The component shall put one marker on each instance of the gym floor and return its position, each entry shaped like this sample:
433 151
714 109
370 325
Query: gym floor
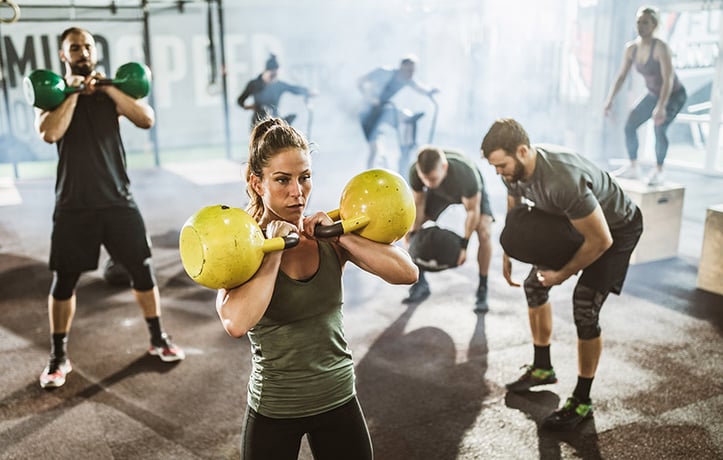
430 376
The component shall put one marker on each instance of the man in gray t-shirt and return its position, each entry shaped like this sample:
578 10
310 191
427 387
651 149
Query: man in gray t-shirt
607 225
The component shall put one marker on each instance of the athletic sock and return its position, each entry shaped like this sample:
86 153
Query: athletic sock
59 346
154 327
542 357
582 389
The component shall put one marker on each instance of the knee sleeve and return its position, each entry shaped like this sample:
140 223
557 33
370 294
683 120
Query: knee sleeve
142 277
63 285
537 294
586 305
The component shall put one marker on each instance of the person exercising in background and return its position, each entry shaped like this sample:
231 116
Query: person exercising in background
378 87
440 178
93 201
666 95
267 90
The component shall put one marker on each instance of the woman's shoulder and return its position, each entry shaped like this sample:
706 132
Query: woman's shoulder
629 50
661 47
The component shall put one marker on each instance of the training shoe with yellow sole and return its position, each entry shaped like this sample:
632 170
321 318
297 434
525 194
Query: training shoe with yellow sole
532 377
569 416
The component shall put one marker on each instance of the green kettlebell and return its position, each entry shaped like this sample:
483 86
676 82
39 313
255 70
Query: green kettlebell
132 78
45 89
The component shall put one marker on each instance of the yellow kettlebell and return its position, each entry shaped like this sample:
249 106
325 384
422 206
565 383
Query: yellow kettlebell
376 204
223 246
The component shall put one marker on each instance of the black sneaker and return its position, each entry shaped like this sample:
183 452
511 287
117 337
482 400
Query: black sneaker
418 292
480 305
531 378
569 416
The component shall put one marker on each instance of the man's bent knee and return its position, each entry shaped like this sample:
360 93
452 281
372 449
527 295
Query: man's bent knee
537 295
63 285
142 277
586 305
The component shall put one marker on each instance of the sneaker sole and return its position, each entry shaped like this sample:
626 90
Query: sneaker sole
565 427
481 307
52 384
511 386
409 301
57 383
166 359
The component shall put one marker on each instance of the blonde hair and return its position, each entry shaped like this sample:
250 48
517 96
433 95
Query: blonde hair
269 137
650 10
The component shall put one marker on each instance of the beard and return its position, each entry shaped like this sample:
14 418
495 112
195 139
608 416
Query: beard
518 173
83 68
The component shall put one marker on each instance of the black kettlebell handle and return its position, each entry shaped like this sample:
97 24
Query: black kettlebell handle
329 231
291 240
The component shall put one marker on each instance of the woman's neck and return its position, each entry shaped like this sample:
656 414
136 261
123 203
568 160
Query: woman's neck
647 40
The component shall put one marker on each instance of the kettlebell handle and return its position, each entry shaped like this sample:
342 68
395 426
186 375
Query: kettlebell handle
280 242
341 227
328 231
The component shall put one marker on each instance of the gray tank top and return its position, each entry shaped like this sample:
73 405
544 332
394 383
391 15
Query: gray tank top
301 364
650 70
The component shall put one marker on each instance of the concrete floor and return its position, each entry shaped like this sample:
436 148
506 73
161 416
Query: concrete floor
430 376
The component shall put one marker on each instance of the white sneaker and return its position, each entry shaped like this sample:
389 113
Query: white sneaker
54 374
628 172
167 351
656 178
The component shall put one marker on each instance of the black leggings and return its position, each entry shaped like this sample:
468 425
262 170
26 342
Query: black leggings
338 433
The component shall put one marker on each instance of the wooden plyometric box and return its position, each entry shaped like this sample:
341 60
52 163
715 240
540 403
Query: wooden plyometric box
710 269
662 208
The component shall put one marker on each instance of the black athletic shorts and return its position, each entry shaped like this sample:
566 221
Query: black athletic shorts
78 234
608 272
435 204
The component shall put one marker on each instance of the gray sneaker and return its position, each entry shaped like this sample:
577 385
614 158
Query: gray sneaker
418 292
480 305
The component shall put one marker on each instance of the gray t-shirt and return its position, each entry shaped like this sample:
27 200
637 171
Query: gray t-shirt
565 183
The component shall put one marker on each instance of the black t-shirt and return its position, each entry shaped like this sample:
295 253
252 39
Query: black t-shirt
463 179
91 158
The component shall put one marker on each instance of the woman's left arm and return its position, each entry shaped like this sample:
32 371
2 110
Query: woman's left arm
666 70
388 261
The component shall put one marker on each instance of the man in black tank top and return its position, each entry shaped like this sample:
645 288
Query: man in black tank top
93 201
